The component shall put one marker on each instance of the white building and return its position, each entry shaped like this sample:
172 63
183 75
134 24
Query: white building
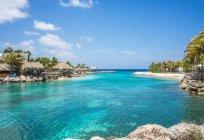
93 69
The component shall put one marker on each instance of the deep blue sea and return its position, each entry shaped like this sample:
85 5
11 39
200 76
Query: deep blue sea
106 104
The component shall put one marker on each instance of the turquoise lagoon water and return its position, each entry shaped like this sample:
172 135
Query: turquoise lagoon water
108 104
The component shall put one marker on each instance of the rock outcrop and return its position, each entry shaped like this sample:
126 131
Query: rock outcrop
181 131
191 84
21 79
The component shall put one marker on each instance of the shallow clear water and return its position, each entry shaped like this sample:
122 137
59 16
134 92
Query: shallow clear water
109 104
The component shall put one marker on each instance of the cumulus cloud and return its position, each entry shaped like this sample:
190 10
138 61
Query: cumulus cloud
58 47
11 10
31 33
86 38
41 25
77 3
62 54
55 41
26 45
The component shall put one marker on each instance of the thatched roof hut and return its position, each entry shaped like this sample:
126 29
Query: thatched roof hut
5 67
32 66
62 66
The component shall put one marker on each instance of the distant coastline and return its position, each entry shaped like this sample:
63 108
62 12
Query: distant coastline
177 76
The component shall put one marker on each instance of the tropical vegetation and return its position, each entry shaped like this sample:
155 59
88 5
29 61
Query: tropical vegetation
166 66
193 58
15 59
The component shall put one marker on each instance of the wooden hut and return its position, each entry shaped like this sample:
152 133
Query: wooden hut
82 70
5 69
32 68
63 69
93 69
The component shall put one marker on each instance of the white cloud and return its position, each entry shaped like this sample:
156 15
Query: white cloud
62 54
77 3
55 41
59 47
41 25
78 45
26 45
11 10
86 38
31 33
125 52
7 44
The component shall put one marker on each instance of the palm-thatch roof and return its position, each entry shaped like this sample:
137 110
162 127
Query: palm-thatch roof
5 67
62 66
32 66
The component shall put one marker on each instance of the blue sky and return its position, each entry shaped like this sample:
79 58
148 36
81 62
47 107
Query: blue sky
102 33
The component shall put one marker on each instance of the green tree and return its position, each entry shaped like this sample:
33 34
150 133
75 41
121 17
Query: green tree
69 63
54 61
8 50
194 53
15 60
155 67
29 55
18 51
45 61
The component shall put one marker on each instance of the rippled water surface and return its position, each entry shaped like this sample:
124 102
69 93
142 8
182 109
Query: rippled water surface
109 104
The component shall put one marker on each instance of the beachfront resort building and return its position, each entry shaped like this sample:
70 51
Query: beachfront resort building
5 69
93 69
32 68
63 69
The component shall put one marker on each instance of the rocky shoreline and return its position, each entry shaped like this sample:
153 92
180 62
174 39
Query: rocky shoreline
190 84
181 131
21 79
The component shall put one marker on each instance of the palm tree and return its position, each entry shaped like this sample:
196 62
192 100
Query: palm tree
18 51
78 65
45 61
15 60
29 55
54 61
83 65
69 63
194 53
164 66
8 50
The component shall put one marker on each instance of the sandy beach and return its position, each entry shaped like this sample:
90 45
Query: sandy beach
70 78
178 76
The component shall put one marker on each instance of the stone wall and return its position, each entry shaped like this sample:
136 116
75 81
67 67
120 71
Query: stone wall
191 84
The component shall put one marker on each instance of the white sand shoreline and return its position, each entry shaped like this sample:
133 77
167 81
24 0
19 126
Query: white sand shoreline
177 76
71 78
